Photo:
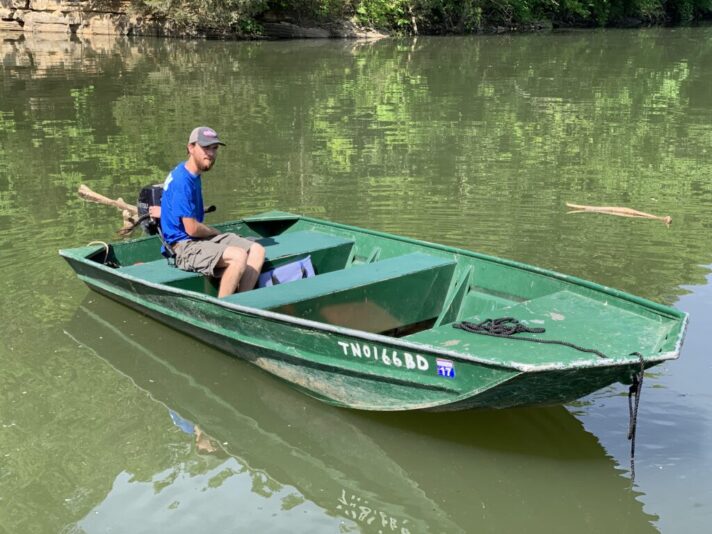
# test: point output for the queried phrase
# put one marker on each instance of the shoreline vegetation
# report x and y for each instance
(368, 19)
(425, 17)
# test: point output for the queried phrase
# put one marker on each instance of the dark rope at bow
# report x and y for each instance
(504, 326)
(634, 390)
(508, 326)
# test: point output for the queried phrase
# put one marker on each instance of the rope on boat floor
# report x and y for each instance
(104, 244)
(105, 261)
(508, 326)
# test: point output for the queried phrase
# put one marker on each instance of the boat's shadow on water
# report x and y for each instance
(448, 471)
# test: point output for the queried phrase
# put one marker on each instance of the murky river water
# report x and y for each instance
(473, 142)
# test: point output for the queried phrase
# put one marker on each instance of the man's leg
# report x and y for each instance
(234, 261)
(255, 259)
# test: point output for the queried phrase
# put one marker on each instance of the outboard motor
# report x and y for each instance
(149, 196)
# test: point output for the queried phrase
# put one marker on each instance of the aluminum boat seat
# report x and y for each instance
(375, 297)
(327, 252)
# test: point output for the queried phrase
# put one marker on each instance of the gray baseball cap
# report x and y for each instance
(204, 136)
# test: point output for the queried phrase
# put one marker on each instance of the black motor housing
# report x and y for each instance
(149, 196)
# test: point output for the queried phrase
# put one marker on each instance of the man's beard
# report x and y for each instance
(206, 164)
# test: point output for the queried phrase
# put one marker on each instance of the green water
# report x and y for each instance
(473, 142)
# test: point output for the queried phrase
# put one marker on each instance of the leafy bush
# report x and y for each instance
(217, 15)
(424, 16)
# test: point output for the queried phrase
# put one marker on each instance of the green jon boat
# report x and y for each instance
(387, 322)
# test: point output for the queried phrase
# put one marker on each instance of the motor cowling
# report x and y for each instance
(149, 196)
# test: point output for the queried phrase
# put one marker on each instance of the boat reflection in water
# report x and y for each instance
(509, 470)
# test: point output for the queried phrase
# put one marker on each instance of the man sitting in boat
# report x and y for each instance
(198, 247)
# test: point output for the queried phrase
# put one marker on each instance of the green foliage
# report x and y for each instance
(467, 16)
(423, 16)
(686, 11)
(388, 14)
(216, 15)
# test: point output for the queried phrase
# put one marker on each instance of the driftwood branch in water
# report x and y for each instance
(128, 212)
(91, 196)
(621, 212)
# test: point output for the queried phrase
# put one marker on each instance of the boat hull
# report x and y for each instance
(314, 360)
(437, 368)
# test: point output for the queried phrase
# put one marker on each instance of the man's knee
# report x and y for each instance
(234, 255)
(257, 251)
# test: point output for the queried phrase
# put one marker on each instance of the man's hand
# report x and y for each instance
(154, 212)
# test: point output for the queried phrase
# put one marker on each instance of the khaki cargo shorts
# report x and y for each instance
(203, 255)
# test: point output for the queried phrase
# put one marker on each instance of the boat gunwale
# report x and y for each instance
(661, 309)
(409, 345)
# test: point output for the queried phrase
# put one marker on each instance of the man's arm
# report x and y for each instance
(197, 229)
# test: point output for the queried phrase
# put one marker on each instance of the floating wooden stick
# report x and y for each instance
(128, 212)
(91, 196)
(621, 212)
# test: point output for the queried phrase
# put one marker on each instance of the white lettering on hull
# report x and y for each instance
(388, 357)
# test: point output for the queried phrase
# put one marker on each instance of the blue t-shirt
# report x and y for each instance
(182, 197)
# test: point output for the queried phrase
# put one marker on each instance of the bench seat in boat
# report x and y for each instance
(328, 252)
(375, 297)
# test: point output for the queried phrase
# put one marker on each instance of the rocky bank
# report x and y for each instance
(116, 17)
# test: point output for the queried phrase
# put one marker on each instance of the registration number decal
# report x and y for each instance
(389, 357)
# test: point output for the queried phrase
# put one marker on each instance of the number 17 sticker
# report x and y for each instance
(446, 368)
